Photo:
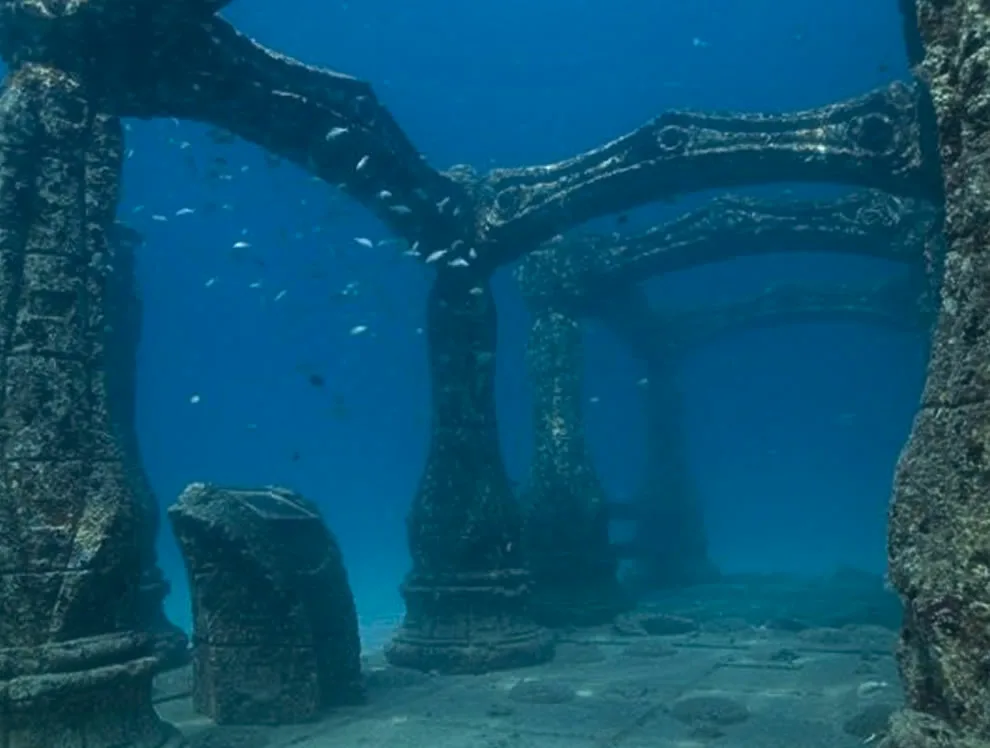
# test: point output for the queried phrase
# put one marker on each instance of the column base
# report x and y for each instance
(85, 693)
(469, 624)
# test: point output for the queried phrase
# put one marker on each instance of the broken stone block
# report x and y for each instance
(275, 632)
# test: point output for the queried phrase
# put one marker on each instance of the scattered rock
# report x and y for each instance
(542, 692)
(709, 711)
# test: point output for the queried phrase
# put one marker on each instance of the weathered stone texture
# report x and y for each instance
(939, 534)
(468, 594)
(580, 270)
(567, 524)
(869, 141)
(275, 636)
(72, 670)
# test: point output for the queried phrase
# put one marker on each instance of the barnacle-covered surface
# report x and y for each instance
(939, 544)
(74, 666)
(177, 59)
(582, 268)
(872, 141)
(467, 595)
(328, 123)
(567, 522)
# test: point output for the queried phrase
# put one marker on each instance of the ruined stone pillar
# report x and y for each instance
(467, 596)
(670, 544)
(74, 672)
(123, 333)
(939, 532)
(276, 631)
(566, 536)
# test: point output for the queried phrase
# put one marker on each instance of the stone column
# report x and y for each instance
(123, 333)
(939, 533)
(73, 671)
(671, 547)
(566, 536)
(467, 596)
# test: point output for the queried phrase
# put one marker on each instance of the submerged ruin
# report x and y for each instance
(82, 633)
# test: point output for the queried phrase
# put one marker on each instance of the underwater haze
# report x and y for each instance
(283, 328)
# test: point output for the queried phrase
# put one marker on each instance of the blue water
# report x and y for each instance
(793, 432)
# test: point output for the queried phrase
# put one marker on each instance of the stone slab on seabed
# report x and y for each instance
(615, 693)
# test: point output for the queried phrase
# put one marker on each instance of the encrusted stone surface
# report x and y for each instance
(468, 594)
(579, 270)
(73, 672)
(939, 533)
(275, 636)
(143, 58)
(567, 524)
(870, 141)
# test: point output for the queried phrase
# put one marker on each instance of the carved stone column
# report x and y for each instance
(467, 596)
(671, 547)
(73, 671)
(123, 333)
(939, 534)
(567, 524)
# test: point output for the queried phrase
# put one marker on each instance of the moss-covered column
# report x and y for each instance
(671, 546)
(566, 531)
(123, 333)
(74, 669)
(939, 533)
(467, 596)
